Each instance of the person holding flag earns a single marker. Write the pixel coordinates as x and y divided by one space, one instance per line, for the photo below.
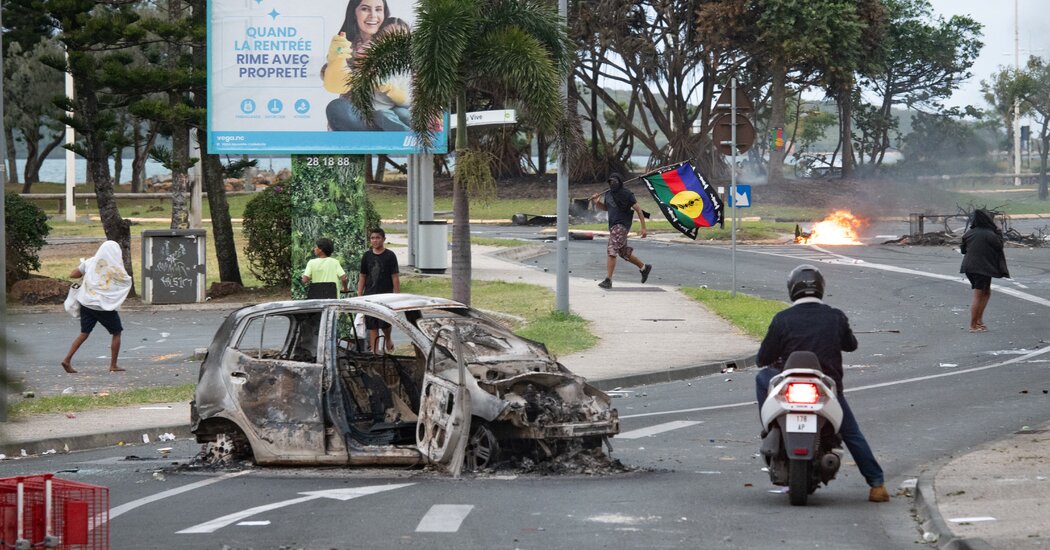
621 205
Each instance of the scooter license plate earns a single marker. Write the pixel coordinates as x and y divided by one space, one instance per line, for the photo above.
802 423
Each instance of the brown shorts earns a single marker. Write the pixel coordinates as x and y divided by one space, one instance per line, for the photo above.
618 242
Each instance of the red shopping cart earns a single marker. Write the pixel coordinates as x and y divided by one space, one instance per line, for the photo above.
45 511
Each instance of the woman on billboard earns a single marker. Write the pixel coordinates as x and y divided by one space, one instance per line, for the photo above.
365 19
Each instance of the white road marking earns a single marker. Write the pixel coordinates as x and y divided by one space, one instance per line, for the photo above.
972 520
657 429
338 494
1019 359
444 518
254 523
129 506
839 259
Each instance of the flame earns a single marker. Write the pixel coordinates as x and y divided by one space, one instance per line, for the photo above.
840 227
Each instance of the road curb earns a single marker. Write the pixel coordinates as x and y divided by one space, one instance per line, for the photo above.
671 375
930 517
94 441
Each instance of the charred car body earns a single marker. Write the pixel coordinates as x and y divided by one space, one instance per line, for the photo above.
294 383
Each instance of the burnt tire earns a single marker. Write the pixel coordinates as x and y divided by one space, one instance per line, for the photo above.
798 481
228 447
483 449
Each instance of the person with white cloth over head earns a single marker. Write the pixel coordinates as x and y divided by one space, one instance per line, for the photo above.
105 286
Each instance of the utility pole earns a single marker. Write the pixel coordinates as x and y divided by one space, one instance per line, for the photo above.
1017 102
3 233
562 246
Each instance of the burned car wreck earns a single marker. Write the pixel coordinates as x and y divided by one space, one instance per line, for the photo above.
294 383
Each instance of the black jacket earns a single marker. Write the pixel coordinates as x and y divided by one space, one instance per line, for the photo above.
811 326
982 248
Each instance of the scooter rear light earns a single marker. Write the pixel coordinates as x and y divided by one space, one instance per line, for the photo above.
801 451
802 392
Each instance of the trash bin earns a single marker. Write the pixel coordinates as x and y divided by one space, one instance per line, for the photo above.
432 255
173 266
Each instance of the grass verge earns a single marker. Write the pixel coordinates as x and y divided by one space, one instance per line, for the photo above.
748 313
74 403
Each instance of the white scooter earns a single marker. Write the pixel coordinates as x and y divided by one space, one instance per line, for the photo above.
801 417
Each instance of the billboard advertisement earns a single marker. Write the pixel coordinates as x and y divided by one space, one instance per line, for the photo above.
277 72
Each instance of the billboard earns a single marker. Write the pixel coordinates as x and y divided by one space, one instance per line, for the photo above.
277 74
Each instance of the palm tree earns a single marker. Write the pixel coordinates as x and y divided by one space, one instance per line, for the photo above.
518 47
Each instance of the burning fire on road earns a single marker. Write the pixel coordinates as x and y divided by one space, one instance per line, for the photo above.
839 228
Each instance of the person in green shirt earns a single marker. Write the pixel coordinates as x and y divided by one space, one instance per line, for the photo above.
324 268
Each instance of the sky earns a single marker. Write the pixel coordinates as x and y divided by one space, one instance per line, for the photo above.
997 17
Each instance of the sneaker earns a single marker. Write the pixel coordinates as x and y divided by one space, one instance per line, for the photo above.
645 272
878 494
605 284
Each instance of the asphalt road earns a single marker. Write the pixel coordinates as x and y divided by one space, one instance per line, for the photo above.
921 385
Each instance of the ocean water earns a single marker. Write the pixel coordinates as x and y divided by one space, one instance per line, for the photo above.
54 170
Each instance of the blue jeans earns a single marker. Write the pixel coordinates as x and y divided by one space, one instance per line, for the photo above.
849 431
343 118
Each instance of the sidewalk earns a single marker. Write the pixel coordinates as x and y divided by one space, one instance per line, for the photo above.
648 334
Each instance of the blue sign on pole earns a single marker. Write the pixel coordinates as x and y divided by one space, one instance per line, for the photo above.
742 198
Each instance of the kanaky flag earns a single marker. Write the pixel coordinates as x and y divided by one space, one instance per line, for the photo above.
685 198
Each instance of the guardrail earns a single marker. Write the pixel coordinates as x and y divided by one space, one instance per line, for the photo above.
61 197
974 179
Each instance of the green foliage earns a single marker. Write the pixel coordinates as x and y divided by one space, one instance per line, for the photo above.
26 231
943 143
748 313
812 126
328 200
474 173
268 228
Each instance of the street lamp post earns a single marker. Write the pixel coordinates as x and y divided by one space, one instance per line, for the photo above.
562 241
3 233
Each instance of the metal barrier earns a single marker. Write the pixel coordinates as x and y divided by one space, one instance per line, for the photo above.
45 511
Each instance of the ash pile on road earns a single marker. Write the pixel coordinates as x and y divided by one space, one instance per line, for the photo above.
222 455
575 460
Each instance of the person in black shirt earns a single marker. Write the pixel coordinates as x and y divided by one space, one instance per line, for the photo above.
811 325
378 275
983 259
621 205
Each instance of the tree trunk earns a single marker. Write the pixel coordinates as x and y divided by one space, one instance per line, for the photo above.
381 169
141 150
460 214
180 178
118 164
12 163
542 149
31 154
116 228
846 127
33 165
221 224
777 117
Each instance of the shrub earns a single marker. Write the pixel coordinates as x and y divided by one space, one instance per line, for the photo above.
26 231
268 228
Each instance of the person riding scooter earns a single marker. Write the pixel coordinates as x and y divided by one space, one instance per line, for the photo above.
811 325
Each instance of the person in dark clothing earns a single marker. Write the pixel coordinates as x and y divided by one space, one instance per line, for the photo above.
811 325
378 275
619 202
983 259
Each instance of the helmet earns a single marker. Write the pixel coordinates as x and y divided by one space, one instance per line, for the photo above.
805 281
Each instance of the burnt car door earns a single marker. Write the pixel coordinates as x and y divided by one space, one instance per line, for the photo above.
444 411
277 380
